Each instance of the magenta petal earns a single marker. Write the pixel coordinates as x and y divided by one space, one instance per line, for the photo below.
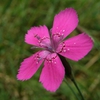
65 22
29 67
35 34
76 48
52 73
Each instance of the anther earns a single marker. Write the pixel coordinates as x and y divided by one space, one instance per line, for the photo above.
54 62
62 34
68 49
63 30
64 50
37 62
49 61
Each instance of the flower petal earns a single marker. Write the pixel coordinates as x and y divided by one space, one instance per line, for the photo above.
76 48
65 22
52 73
29 67
36 34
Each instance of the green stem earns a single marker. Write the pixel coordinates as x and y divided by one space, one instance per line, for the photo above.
72 90
69 74
74 82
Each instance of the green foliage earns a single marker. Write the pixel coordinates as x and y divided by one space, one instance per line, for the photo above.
16 17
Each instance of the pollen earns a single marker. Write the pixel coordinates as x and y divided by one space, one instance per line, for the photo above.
55 62
68 49
63 30
37 62
64 50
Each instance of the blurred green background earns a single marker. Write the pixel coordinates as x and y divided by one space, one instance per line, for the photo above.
16 17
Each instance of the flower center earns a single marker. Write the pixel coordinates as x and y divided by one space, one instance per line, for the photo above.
46 43
56 40
50 44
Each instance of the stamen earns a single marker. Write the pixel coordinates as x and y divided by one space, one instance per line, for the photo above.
62 34
57 37
37 62
55 62
68 49
49 61
45 43
63 30
64 50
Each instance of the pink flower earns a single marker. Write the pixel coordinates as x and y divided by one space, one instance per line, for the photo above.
52 43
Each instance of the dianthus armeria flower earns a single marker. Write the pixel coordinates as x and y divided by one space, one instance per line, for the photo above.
53 43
